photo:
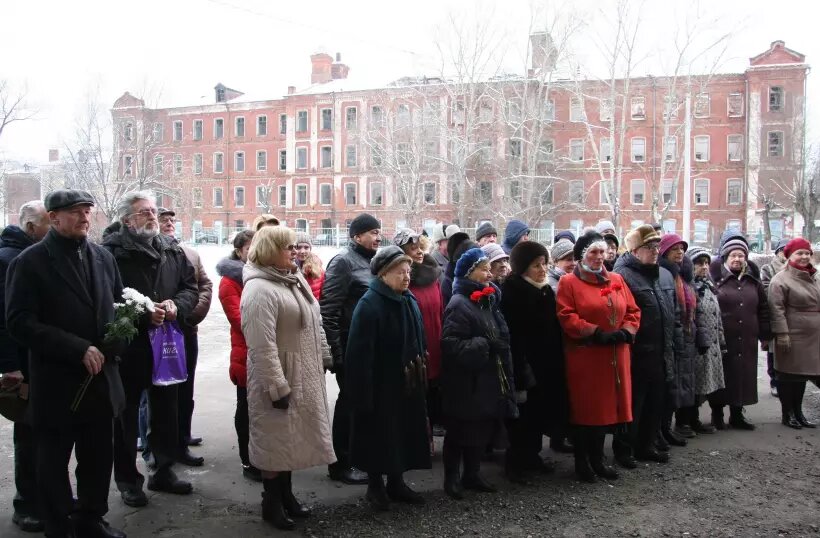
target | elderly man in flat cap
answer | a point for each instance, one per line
(60, 296)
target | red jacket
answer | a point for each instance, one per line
(425, 288)
(230, 293)
(316, 285)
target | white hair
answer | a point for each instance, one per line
(129, 199)
(32, 211)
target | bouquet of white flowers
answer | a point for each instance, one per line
(124, 327)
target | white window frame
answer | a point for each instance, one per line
(127, 165)
(576, 109)
(377, 118)
(282, 163)
(178, 164)
(259, 119)
(672, 156)
(571, 157)
(128, 131)
(708, 148)
(236, 191)
(236, 157)
(638, 99)
(769, 145)
(355, 149)
(282, 196)
(302, 150)
(201, 124)
(728, 152)
(605, 110)
(696, 237)
(632, 184)
(283, 124)
(373, 185)
(605, 156)
(708, 112)
(667, 229)
(196, 197)
(403, 115)
(739, 182)
(260, 200)
(197, 164)
(424, 192)
(216, 121)
(176, 129)
(355, 193)
(159, 164)
(355, 124)
(300, 189)
(322, 119)
(298, 121)
(485, 112)
(236, 122)
(701, 181)
(782, 99)
(570, 190)
(549, 110)
(729, 100)
(213, 162)
(322, 154)
(329, 193)
(670, 107)
(221, 196)
(603, 191)
(672, 192)
(157, 131)
(264, 155)
(632, 153)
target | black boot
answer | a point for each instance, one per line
(787, 406)
(272, 509)
(683, 428)
(292, 506)
(799, 391)
(398, 491)
(717, 418)
(596, 457)
(452, 476)
(738, 421)
(671, 437)
(583, 469)
(561, 444)
(698, 426)
(472, 478)
(376, 493)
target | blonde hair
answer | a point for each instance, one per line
(425, 244)
(312, 266)
(262, 220)
(268, 243)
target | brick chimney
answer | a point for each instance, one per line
(322, 64)
(339, 70)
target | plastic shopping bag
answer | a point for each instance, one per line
(168, 346)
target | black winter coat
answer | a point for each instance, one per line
(682, 390)
(447, 282)
(159, 272)
(536, 343)
(346, 280)
(51, 311)
(660, 335)
(471, 383)
(386, 383)
(13, 356)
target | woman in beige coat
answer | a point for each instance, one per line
(794, 300)
(287, 352)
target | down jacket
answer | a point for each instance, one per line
(794, 300)
(286, 354)
(13, 356)
(230, 293)
(682, 391)
(709, 365)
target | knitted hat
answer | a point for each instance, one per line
(584, 242)
(732, 245)
(698, 252)
(513, 233)
(523, 254)
(494, 252)
(405, 236)
(386, 258)
(670, 240)
(453, 243)
(484, 230)
(614, 239)
(363, 224)
(603, 226)
(781, 245)
(566, 234)
(798, 243)
(560, 249)
(734, 233)
(468, 261)
(640, 236)
(303, 239)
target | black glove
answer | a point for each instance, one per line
(606, 338)
(282, 403)
(626, 337)
(497, 346)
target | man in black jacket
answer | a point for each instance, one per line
(60, 294)
(347, 278)
(155, 266)
(33, 227)
(653, 351)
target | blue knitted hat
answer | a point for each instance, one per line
(469, 261)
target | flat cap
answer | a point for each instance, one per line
(65, 198)
(386, 258)
(165, 211)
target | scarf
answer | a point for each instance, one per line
(597, 278)
(539, 285)
(687, 301)
(810, 269)
(296, 283)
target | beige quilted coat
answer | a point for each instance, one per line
(794, 303)
(286, 355)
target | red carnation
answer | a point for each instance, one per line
(476, 296)
(489, 290)
(606, 291)
(617, 287)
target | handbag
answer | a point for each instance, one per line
(168, 347)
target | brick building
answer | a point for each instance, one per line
(556, 152)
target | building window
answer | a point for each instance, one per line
(458, 113)
(545, 150)
(668, 226)
(239, 161)
(670, 107)
(197, 130)
(485, 192)
(455, 193)
(638, 150)
(261, 125)
(734, 105)
(326, 153)
(549, 110)
(283, 159)
(301, 121)
(576, 110)
(431, 153)
(605, 192)
(301, 158)
(576, 149)
(301, 225)
(177, 131)
(177, 164)
(485, 112)
(702, 191)
(605, 113)
(219, 164)
(219, 128)
(775, 99)
(351, 118)
(239, 196)
(638, 108)
(403, 154)
(403, 115)
(283, 195)
(157, 133)
(324, 193)
(638, 191)
(218, 202)
(606, 150)
(239, 126)
(261, 195)
(196, 197)
(159, 164)
(514, 111)
(702, 105)
(701, 231)
(127, 165)
(301, 194)
(197, 163)
(733, 225)
(734, 192)
(775, 143)
(577, 226)
(350, 194)
(668, 192)
(283, 123)
(351, 157)
(515, 149)
(128, 132)
(429, 193)
(515, 191)
(376, 193)
(261, 161)
(671, 150)
(735, 147)
(701, 148)
(376, 156)
(377, 116)
(576, 191)
(327, 119)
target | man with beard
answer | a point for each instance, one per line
(346, 280)
(155, 266)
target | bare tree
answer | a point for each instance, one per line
(13, 106)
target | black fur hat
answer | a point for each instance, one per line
(524, 253)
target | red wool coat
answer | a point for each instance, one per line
(425, 287)
(230, 293)
(600, 393)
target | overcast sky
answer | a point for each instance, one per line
(177, 50)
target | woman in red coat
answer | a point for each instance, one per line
(599, 317)
(230, 293)
(314, 273)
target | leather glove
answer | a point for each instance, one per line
(784, 342)
(497, 346)
(606, 338)
(627, 337)
(703, 350)
(282, 403)
(520, 397)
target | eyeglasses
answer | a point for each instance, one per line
(165, 220)
(292, 248)
(152, 211)
(656, 247)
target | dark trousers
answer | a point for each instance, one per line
(648, 395)
(186, 390)
(455, 453)
(770, 369)
(525, 439)
(241, 423)
(91, 442)
(434, 402)
(341, 427)
(25, 476)
(163, 430)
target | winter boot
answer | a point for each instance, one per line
(292, 506)
(800, 390)
(472, 479)
(272, 509)
(583, 469)
(376, 493)
(717, 418)
(452, 477)
(738, 421)
(596, 457)
(398, 491)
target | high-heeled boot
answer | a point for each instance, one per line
(273, 510)
(596, 457)
(785, 393)
(292, 506)
(583, 469)
(799, 392)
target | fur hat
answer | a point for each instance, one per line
(523, 254)
(614, 239)
(584, 242)
(484, 230)
(566, 234)
(698, 252)
(468, 261)
(670, 240)
(386, 258)
(731, 245)
(640, 236)
(363, 224)
(494, 252)
(560, 250)
(453, 243)
(781, 245)
(603, 226)
(796, 244)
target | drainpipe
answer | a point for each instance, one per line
(746, 201)
(654, 131)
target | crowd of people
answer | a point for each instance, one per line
(489, 342)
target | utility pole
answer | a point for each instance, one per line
(687, 169)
